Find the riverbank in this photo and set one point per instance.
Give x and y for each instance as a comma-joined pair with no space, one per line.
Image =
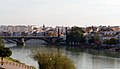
10,63
102,59
115,48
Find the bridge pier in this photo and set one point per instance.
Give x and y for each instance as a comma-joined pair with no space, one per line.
21,42
53,41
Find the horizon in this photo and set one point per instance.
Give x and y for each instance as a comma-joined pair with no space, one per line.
60,13
59,26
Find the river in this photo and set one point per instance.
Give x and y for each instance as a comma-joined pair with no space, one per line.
83,58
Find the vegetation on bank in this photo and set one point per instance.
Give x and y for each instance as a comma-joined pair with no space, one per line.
112,41
51,59
4,51
14,60
75,36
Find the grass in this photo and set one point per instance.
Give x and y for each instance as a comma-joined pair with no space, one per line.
14,60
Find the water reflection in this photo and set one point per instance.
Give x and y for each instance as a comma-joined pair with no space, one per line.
83,58
95,59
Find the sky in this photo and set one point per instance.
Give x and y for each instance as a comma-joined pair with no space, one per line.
60,12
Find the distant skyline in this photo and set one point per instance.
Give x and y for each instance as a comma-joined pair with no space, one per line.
60,12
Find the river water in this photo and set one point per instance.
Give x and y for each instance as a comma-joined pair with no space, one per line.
83,58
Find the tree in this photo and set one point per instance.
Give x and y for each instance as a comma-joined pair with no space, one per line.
106,42
4,51
75,36
51,59
91,40
113,41
1,43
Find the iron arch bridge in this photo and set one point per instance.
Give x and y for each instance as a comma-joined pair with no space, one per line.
20,40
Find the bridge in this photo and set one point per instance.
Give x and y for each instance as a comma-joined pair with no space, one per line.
20,40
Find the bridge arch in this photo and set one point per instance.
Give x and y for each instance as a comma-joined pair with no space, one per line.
21,40
46,40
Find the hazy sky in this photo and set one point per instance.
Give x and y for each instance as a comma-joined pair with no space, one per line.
60,12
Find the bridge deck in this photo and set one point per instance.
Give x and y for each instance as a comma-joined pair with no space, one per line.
30,37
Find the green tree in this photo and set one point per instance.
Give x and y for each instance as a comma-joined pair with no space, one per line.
4,51
52,59
75,36
113,41
1,43
91,40
106,42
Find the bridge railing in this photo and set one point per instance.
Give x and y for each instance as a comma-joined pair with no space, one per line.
28,36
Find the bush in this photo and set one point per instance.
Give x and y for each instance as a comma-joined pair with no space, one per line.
4,51
51,59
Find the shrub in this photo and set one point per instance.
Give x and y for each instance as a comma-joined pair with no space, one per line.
52,59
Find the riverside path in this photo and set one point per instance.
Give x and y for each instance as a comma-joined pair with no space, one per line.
13,65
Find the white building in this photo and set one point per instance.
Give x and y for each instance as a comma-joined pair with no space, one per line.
107,35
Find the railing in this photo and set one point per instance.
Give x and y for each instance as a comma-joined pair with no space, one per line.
19,65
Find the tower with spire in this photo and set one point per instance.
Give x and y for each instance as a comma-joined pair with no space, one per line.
43,27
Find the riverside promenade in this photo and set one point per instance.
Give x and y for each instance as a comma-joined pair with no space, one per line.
14,65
